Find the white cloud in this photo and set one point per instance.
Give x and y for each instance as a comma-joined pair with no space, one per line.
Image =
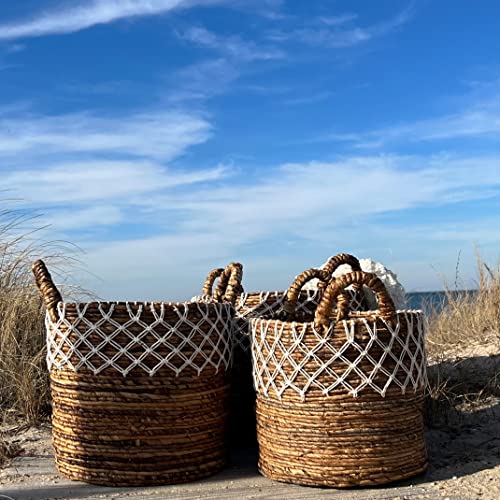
80,166
336,35
480,118
100,180
231,46
337,20
333,39
76,16
159,135
326,207
304,198
202,80
311,98
94,216
211,77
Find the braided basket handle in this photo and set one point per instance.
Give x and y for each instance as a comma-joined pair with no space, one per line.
292,294
333,293
340,259
229,286
48,290
209,282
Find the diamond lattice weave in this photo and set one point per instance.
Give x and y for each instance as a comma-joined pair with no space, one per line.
263,304
258,305
353,355
146,336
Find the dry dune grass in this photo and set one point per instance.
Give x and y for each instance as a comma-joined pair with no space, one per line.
469,318
23,376
463,346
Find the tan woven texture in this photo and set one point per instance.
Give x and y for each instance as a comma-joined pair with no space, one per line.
140,390
263,304
340,394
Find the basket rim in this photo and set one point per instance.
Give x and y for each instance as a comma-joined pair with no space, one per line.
373,314
127,303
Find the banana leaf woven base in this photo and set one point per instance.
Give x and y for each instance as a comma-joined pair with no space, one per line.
344,442
140,430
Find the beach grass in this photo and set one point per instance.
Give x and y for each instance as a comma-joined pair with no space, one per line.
24,392
469,318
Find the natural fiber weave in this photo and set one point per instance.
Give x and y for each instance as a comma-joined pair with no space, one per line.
339,401
270,303
263,304
139,390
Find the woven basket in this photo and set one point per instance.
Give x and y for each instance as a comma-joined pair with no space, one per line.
258,304
340,401
139,390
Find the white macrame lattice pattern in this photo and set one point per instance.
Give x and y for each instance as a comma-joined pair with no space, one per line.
270,353
65,341
270,304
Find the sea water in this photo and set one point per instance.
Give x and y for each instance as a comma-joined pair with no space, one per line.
434,300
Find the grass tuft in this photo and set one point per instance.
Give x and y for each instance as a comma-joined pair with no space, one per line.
470,318
463,345
24,392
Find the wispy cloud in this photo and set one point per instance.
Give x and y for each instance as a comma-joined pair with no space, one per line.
157,135
101,181
337,20
94,216
203,218
77,16
203,80
210,77
291,204
337,35
309,99
481,118
291,198
232,46
91,166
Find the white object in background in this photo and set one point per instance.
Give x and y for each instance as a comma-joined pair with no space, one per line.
388,277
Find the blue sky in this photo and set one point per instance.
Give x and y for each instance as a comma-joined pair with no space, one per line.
167,137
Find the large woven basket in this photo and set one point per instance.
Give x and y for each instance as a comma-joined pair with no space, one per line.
261,304
139,390
340,400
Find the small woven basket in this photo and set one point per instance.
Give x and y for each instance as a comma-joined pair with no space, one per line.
340,400
139,390
262,304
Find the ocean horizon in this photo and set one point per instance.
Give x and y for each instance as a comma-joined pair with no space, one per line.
437,300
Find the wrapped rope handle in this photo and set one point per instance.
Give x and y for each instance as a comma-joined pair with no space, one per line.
339,260
209,282
48,289
333,294
229,286
324,275
292,294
